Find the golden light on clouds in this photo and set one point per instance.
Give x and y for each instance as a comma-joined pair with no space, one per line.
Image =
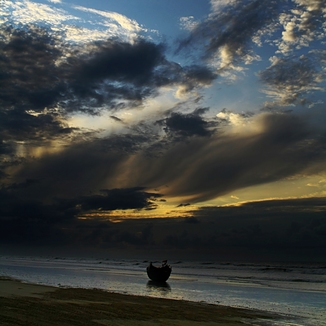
105,119
163,210
289,188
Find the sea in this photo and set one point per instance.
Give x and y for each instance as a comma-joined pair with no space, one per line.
296,292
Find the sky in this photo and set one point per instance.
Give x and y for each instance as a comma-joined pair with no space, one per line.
192,127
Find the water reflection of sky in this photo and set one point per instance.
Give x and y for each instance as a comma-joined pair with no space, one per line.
179,286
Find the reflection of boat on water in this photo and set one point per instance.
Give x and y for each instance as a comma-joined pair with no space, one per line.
161,287
159,274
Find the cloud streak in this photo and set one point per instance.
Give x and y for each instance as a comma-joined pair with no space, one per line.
76,27
203,168
196,164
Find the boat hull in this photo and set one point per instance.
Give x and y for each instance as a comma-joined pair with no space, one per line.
159,274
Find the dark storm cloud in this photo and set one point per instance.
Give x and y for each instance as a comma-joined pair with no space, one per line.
267,208
15,207
232,29
272,230
112,199
113,72
192,77
5,148
119,61
40,71
43,79
29,221
204,168
184,125
18,125
28,71
81,168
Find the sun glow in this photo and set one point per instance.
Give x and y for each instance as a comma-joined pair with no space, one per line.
161,211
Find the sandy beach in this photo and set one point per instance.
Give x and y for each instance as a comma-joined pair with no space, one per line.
31,304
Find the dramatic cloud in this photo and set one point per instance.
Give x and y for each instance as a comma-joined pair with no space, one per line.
204,166
20,126
29,73
86,79
104,74
253,231
99,119
227,34
269,228
183,125
34,222
273,147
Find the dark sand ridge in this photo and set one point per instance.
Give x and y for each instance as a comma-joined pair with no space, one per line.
30,304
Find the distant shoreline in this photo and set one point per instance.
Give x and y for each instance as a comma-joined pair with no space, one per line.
39,305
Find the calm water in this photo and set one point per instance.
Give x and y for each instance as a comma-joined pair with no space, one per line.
297,291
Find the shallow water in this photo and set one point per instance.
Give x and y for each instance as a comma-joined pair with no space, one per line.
298,291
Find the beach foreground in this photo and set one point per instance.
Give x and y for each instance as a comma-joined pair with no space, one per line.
31,304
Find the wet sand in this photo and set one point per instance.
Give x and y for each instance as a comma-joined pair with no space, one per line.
31,304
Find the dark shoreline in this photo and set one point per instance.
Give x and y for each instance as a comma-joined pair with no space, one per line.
33,304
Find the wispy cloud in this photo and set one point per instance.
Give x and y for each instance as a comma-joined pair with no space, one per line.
27,12
114,18
226,35
231,36
77,28
273,147
289,79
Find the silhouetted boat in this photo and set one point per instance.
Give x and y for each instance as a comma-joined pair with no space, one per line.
159,274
